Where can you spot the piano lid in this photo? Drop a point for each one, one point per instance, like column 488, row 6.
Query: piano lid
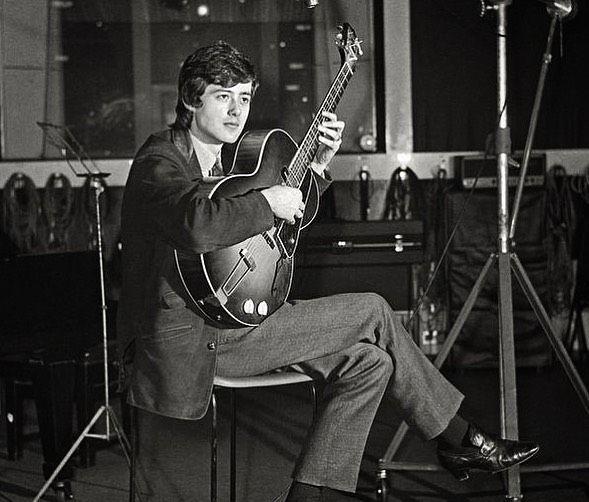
column 49, row 301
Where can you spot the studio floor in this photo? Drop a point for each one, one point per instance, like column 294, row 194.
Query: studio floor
column 273, row 425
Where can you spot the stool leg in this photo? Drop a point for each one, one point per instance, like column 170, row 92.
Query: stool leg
column 214, row 448
column 233, row 445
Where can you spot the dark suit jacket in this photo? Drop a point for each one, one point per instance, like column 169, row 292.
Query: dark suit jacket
column 165, row 348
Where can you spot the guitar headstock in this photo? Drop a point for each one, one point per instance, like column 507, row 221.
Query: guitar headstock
column 348, row 44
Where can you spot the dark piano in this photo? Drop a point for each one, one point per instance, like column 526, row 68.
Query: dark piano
column 50, row 320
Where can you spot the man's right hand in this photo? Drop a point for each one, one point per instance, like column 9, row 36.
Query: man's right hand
column 286, row 202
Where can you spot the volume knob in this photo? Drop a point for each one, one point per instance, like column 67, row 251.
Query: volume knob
column 249, row 306
column 263, row 308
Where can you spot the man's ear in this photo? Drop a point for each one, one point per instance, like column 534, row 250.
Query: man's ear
column 190, row 108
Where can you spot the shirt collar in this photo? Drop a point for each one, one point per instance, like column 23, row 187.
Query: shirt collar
column 205, row 157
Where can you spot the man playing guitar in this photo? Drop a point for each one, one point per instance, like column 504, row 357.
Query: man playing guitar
column 353, row 342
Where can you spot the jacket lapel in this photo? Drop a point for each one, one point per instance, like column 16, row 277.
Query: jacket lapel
column 181, row 139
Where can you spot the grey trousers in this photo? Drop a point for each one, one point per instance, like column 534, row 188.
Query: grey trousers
column 358, row 346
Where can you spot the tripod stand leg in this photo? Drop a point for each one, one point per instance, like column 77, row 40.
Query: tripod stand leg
column 509, row 427
column 464, row 313
column 553, row 338
column 70, row 453
column 123, row 440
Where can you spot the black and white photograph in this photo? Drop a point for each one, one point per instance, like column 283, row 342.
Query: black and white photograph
column 294, row 250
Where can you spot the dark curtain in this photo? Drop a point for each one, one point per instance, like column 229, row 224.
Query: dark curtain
column 454, row 74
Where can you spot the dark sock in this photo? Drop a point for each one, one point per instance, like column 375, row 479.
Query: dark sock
column 302, row 492
column 455, row 434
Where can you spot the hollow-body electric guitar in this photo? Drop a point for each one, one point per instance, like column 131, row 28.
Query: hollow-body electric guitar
column 243, row 284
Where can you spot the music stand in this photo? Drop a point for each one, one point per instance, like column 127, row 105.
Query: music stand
column 507, row 261
column 64, row 140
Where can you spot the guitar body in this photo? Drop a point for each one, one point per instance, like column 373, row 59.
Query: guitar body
column 243, row 284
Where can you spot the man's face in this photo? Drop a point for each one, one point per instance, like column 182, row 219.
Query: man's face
column 222, row 115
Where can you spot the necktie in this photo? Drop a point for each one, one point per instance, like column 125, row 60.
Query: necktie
column 217, row 169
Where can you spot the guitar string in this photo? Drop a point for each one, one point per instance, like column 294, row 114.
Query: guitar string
column 330, row 102
column 304, row 156
column 309, row 143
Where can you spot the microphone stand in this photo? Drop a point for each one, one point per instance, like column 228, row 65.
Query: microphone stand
column 557, row 11
column 62, row 138
column 507, row 261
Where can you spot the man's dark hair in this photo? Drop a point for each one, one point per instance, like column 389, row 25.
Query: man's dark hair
column 219, row 64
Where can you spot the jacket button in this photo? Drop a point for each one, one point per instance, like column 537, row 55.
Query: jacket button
column 211, row 345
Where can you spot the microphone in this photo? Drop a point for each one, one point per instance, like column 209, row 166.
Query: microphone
column 561, row 8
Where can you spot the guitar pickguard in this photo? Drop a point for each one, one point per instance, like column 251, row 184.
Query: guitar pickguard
column 288, row 235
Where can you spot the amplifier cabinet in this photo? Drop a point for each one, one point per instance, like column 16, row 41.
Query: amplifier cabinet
column 353, row 257
column 474, row 240
column 470, row 167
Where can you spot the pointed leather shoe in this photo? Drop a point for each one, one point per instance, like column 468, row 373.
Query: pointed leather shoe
column 485, row 452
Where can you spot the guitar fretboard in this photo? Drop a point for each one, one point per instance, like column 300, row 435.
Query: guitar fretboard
column 306, row 151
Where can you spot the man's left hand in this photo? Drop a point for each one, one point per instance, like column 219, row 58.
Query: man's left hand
column 330, row 137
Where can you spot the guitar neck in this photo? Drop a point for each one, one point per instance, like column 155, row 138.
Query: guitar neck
column 308, row 148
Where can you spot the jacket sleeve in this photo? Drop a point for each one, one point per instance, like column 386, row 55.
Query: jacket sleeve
column 323, row 183
column 179, row 209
